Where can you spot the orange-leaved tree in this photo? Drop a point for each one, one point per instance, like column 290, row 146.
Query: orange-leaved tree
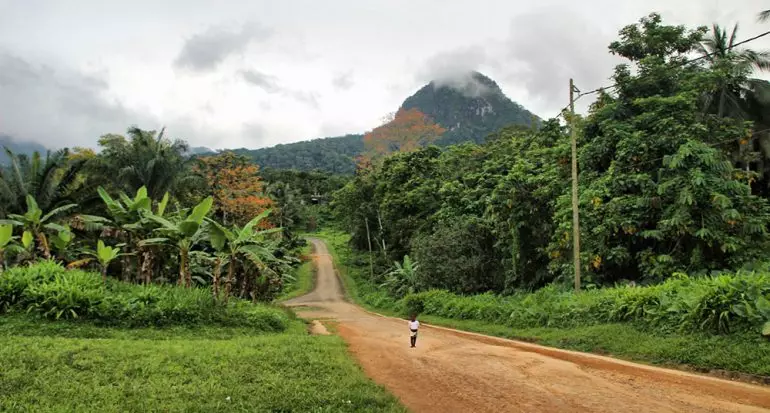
column 238, row 191
column 409, row 130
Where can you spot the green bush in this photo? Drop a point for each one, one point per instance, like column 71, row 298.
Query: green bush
column 53, row 292
column 721, row 304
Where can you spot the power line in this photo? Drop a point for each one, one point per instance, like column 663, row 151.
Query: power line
column 687, row 62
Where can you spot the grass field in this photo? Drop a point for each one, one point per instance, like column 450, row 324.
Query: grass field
column 744, row 353
column 75, row 367
column 303, row 279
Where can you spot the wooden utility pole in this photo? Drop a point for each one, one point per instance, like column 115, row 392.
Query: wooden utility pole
column 575, row 213
column 369, row 239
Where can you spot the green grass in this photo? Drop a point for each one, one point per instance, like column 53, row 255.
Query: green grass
column 303, row 279
column 743, row 351
column 64, row 366
column 51, row 291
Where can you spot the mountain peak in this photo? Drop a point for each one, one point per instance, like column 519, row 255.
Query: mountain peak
column 470, row 84
column 470, row 106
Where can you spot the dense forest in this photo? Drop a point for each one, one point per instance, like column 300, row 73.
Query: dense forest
column 673, row 178
column 143, row 210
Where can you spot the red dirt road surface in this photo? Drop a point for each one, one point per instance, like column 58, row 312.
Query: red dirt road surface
column 453, row 371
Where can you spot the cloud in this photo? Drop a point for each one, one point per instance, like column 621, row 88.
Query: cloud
column 255, row 133
column 547, row 47
column 308, row 98
column 203, row 52
column 455, row 68
column 271, row 85
column 266, row 82
column 343, row 81
column 59, row 107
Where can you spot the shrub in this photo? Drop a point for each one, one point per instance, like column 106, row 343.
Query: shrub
column 53, row 292
column 724, row 303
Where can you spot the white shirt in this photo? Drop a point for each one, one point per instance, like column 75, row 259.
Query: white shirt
column 414, row 325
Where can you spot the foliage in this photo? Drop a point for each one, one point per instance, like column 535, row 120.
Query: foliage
column 332, row 155
column 49, row 290
column 235, row 185
column 660, row 189
column 409, row 130
column 183, row 232
column 247, row 248
column 144, row 159
column 38, row 227
column 459, row 256
column 470, row 107
column 403, row 279
column 52, row 181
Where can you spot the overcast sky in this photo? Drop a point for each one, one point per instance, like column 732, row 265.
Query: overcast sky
column 257, row 73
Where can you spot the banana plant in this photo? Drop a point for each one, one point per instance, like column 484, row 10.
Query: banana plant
column 183, row 232
column 234, row 244
column 105, row 255
column 36, row 224
column 61, row 240
column 129, row 224
column 6, row 237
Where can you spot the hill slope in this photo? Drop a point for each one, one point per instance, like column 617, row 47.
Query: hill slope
column 19, row 148
column 469, row 108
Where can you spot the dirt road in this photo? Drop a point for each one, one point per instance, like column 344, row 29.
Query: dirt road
column 452, row 371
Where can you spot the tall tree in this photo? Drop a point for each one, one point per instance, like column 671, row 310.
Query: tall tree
column 236, row 187
column 52, row 181
column 144, row 159
column 409, row 130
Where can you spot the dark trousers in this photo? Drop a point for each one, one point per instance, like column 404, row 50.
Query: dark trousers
column 413, row 339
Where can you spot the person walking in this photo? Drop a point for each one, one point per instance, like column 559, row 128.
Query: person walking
column 414, row 325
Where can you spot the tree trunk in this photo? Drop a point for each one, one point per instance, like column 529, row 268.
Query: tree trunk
column 104, row 274
column 43, row 245
column 2, row 260
column 182, row 266
column 382, row 235
column 244, row 279
column 217, row 274
column 369, row 240
column 229, row 282
column 145, row 274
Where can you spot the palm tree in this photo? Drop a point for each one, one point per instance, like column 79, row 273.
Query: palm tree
column 146, row 159
column 721, row 54
column 234, row 245
column 52, row 181
column 764, row 16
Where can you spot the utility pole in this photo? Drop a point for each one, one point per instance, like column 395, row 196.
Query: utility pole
column 575, row 213
column 369, row 239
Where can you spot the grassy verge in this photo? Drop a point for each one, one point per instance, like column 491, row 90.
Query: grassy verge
column 60, row 366
column 304, row 277
column 744, row 352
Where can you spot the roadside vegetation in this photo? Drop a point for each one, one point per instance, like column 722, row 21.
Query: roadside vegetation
column 685, row 323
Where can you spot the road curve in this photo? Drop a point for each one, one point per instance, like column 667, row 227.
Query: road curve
column 452, row 371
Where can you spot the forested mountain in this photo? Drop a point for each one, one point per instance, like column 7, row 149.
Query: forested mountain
column 18, row 147
column 468, row 108
column 333, row 155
